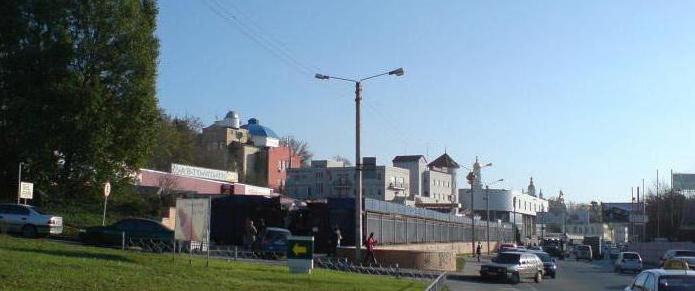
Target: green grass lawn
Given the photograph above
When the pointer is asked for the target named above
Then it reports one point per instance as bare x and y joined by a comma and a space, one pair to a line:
45, 265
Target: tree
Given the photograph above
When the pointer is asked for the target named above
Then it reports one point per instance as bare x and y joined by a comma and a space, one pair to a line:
345, 160
177, 141
77, 83
299, 148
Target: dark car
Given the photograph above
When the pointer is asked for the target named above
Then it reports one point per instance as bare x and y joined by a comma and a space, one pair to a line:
549, 264
274, 242
127, 229
554, 251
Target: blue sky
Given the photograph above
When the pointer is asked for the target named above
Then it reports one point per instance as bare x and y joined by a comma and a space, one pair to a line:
585, 96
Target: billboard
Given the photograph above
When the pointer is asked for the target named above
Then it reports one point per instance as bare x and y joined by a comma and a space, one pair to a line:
192, 219
204, 173
684, 181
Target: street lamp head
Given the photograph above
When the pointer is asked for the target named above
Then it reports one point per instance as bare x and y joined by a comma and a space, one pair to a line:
488, 165
398, 72
321, 77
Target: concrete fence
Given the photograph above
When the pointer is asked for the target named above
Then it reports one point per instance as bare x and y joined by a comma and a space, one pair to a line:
651, 252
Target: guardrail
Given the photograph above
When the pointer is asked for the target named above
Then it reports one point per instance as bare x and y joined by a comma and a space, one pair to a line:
437, 284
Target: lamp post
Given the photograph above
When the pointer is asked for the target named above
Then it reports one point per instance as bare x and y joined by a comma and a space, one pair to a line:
358, 158
487, 215
543, 223
514, 213
474, 179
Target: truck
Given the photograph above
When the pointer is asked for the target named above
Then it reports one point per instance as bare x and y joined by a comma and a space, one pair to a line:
596, 245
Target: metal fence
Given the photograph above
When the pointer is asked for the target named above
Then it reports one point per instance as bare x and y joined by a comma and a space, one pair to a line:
390, 228
437, 284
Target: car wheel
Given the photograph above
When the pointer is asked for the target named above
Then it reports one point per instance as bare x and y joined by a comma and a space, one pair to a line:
617, 269
553, 275
515, 278
539, 277
29, 231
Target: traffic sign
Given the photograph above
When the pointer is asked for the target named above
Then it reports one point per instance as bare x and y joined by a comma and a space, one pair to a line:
300, 254
107, 189
26, 190
300, 247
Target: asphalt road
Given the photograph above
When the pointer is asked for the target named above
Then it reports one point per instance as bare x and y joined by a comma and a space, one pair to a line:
572, 275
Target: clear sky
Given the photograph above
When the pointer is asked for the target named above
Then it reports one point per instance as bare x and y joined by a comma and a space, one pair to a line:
585, 96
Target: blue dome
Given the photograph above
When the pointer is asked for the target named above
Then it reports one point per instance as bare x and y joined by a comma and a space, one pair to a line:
259, 130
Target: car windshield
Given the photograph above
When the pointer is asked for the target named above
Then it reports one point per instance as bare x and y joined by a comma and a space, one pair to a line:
276, 235
507, 258
685, 254
544, 257
37, 210
583, 248
630, 256
677, 283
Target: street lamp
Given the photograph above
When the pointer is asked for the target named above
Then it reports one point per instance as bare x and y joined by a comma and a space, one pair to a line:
358, 163
514, 213
473, 177
487, 216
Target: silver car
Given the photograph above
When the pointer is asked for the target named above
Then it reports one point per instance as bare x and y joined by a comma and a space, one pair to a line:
628, 261
28, 221
514, 266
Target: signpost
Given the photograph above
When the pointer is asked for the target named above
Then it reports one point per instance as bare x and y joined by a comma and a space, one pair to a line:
300, 254
26, 191
107, 192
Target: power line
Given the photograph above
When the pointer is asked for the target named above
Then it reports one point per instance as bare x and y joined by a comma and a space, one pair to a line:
281, 54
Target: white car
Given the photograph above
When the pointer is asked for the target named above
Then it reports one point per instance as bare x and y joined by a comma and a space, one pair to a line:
663, 280
28, 221
628, 261
685, 255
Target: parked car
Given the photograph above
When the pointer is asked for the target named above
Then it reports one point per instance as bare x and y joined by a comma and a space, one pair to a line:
663, 280
273, 241
628, 261
28, 221
685, 255
506, 246
513, 266
549, 264
583, 252
129, 228
535, 248
613, 253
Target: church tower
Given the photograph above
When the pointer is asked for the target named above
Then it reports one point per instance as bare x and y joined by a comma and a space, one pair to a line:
531, 188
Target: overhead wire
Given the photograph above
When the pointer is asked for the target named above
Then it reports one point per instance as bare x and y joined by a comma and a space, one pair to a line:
236, 17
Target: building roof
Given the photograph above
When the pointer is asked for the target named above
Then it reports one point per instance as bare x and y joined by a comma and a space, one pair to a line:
411, 158
256, 129
444, 161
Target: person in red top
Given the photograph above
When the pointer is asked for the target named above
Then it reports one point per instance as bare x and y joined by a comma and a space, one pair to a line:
369, 256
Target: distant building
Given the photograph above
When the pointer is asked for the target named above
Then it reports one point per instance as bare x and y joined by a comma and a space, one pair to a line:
252, 150
432, 185
505, 205
326, 178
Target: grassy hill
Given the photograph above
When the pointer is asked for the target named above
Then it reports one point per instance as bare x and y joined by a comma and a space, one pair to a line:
45, 265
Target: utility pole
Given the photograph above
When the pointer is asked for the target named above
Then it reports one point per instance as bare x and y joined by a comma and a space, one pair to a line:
514, 213
358, 168
19, 182
658, 222
487, 217
358, 163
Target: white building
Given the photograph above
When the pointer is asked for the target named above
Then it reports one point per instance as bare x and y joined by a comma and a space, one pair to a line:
327, 178
432, 185
506, 205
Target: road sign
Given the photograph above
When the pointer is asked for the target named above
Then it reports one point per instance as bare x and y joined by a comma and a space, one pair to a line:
300, 254
107, 189
26, 190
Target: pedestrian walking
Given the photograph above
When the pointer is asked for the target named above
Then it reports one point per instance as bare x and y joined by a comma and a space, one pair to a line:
337, 237
250, 233
478, 250
369, 256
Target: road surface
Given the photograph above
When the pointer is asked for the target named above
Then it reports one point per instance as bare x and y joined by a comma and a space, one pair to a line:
572, 275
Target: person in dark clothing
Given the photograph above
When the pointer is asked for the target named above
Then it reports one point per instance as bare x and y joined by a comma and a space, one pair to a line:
478, 250
369, 256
